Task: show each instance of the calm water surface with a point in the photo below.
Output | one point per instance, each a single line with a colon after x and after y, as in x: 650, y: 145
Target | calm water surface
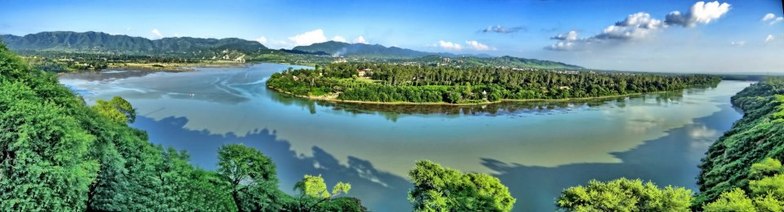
x: 536, y: 149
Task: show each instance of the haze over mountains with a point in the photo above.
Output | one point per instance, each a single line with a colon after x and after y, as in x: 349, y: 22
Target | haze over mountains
x: 103, y: 43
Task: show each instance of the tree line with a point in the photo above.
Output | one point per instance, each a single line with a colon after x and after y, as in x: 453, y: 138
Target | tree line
x: 385, y: 82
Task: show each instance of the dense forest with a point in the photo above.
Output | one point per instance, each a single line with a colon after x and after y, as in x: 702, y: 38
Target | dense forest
x: 373, y: 82
x: 758, y: 135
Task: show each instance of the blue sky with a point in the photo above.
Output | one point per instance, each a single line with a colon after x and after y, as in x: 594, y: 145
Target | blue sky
x: 723, y: 36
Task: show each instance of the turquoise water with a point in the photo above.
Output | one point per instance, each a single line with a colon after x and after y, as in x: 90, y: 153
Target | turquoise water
x: 536, y: 149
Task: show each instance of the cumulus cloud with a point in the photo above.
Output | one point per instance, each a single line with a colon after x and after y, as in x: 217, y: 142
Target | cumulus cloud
x: 262, y: 40
x: 769, y: 38
x: 156, y: 33
x: 476, y: 45
x: 635, y: 26
x: 501, y: 29
x: 641, y: 25
x: 771, y: 19
x: 738, y: 43
x: 307, y: 38
x: 449, y: 45
x: 360, y: 39
x: 699, y: 13
x: 339, y: 38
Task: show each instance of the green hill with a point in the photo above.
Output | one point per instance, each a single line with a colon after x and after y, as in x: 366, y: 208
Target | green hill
x: 758, y: 135
x: 99, y: 42
x: 335, y: 48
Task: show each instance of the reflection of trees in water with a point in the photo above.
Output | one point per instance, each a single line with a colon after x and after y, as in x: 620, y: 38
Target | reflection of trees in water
x: 393, y: 112
x: 377, y: 189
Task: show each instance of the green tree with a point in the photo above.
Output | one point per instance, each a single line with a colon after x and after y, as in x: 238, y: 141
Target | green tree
x: 437, y: 188
x: 251, y: 176
x: 767, y: 191
x: 624, y: 195
x: 314, y: 194
x: 117, y: 109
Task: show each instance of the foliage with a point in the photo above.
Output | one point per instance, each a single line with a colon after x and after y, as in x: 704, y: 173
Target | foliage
x: 767, y: 191
x: 251, y: 177
x: 624, y: 195
x: 315, y: 196
x: 757, y: 136
x: 423, y: 84
x: 117, y: 109
x: 437, y: 188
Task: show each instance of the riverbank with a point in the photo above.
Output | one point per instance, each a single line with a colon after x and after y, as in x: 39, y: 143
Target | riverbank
x: 174, y: 67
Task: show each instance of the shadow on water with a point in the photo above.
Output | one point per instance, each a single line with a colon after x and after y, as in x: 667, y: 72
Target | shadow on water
x: 669, y: 160
x: 381, y: 191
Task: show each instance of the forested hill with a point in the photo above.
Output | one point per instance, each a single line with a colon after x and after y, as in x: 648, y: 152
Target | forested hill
x: 99, y: 42
x: 335, y: 48
x: 758, y: 135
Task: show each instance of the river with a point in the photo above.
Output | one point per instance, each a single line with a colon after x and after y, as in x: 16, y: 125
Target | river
x: 536, y: 149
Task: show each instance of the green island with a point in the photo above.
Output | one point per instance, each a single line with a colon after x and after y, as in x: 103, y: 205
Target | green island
x: 414, y: 84
x: 59, y: 154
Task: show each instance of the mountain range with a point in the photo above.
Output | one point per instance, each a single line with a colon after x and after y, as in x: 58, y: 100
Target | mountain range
x: 99, y: 42
x: 103, y: 43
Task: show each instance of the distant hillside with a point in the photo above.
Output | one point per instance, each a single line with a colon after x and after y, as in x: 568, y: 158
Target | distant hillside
x: 504, y: 61
x: 99, y: 42
x: 101, y: 46
x: 396, y: 54
x: 335, y: 48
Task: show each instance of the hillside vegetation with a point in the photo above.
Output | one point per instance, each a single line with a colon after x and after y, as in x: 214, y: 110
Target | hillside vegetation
x: 758, y: 135
x: 386, y: 83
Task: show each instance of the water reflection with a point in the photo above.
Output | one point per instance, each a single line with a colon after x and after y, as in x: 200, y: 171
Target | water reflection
x: 376, y: 188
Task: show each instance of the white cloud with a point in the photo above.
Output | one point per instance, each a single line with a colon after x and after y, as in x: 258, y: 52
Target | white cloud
x: 360, y: 39
x: 156, y: 34
x: 771, y: 19
x: 476, y: 45
x: 641, y: 25
x: 569, y: 36
x: 307, y: 38
x: 449, y: 45
x: 635, y: 26
x: 738, y: 43
x: 769, y: 38
x: 339, y: 38
x: 502, y: 29
x: 768, y: 17
x: 699, y: 13
x: 262, y: 40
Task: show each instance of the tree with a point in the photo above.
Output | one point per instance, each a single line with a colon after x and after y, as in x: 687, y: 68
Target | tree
x: 43, y: 153
x: 767, y: 190
x: 624, y: 195
x: 117, y: 109
x: 251, y: 177
x: 437, y: 188
x: 314, y: 194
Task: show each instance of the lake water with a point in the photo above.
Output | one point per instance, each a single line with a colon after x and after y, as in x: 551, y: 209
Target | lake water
x: 536, y: 149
